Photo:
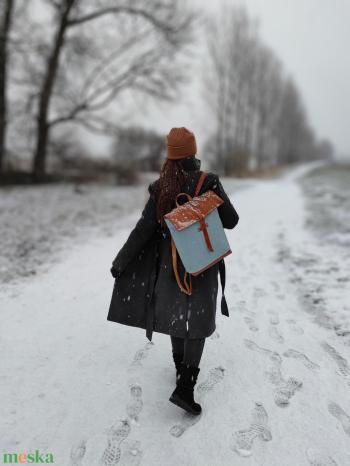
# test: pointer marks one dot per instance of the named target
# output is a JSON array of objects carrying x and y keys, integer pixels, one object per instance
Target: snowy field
[
  {"x": 275, "y": 376},
  {"x": 38, "y": 224}
]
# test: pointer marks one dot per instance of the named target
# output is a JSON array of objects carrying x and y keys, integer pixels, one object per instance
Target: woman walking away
[{"x": 147, "y": 291}]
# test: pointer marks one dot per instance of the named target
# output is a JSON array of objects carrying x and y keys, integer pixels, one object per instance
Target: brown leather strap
[
  {"x": 187, "y": 288},
  {"x": 203, "y": 227},
  {"x": 200, "y": 183}
]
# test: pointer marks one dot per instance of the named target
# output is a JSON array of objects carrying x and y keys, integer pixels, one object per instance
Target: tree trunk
[
  {"x": 5, "y": 27},
  {"x": 43, "y": 125}
]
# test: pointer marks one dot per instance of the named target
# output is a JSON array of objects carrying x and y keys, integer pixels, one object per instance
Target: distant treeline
[
  {"x": 66, "y": 64},
  {"x": 260, "y": 117}
]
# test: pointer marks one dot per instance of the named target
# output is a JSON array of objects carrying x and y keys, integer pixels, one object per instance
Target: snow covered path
[{"x": 274, "y": 385}]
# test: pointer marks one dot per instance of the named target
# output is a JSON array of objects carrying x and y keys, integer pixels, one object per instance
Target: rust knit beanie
[{"x": 181, "y": 143}]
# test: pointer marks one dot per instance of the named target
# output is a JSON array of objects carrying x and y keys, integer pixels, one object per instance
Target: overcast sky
[{"x": 312, "y": 38}]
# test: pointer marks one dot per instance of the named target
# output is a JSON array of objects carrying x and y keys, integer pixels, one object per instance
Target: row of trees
[
  {"x": 260, "y": 117},
  {"x": 71, "y": 59},
  {"x": 68, "y": 63}
]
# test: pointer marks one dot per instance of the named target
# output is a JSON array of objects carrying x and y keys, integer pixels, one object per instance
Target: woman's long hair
[{"x": 171, "y": 180}]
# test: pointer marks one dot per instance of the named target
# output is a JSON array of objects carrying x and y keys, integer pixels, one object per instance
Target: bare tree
[
  {"x": 6, "y": 11},
  {"x": 147, "y": 72},
  {"x": 228, "y": 82}
]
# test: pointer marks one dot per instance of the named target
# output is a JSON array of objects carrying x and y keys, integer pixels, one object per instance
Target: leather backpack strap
[
  {"x": 187, "y": 288},
  {"x": 200, "y": 182}
]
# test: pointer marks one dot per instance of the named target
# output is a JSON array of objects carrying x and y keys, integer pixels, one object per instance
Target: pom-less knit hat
[{"x": 181, "y": 143}]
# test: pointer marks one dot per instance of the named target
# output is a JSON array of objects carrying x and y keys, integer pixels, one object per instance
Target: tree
[
  {"x": 147, "y": 72},
  {"x": 229, "y": 83},
  {"x": 6, "y": 12}
]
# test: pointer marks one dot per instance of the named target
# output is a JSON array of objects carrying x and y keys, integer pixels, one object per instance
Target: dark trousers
[{"x": 191, "y": 349}]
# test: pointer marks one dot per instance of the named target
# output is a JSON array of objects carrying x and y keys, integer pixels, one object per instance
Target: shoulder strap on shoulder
[{"x": 200, "y": 183}]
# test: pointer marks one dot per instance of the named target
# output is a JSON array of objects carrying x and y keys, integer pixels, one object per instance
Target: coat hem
[{"x": 164, "y": 332}]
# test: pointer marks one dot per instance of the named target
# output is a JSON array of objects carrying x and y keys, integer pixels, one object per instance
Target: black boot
[
  {"x": 182, "y": 396},
  {"x": 178, "y": 361}
]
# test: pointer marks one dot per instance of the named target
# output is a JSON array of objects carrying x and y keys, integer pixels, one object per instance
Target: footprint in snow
[
  {"x": 274, "y": 318},
  {"x": 251, "y": 324},
  {"x": 119, "y": 431},
  {"x": 316, "y": 458},
  {"x": 291, "y": 353},
  {"x": 134, "y": 407},
  {"x": 242, "y": 440},
  {"x": 214, "y": 377},
  {"x": 284, "y": 388},
  {"x": 259, "y": 293},
  {"x": 188, "y": 420},
  {"x": 116, "y": 434},
  {"x": 241, "y": 306},
  {"x": 255, "y": 347},
  {"x": 285, "y": 391},
  {"x": 275, "y": 334},
  {"x": 77, "y": 453},
  {"x": 341, "y": 362},
  {"x": 344, "y": 419},
  {"x": 111, "y": 455},
  {"x": 141, "y": 354}
]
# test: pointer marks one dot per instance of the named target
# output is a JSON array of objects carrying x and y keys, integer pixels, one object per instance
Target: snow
[
  {"x": 39, "y": 223},
  {"x": 274, "y": 382}
]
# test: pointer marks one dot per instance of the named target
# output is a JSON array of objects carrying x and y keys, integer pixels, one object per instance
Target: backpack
[{"x": 198, "y": 236}]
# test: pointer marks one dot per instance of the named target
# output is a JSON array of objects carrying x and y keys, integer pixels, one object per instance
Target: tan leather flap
[{"x": 193, "y": 211}]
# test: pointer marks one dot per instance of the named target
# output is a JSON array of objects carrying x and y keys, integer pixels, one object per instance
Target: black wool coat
[{"x": 146, "y": 293}]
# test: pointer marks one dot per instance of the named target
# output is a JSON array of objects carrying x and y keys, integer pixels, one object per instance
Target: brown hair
[{"x": 171, "y": 180}]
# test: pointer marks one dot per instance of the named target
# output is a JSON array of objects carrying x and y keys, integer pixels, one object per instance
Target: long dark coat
[{"x": 146, "y": 293}]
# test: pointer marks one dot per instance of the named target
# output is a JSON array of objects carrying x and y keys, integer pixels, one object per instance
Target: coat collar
[{"x": 191, "y": 163}]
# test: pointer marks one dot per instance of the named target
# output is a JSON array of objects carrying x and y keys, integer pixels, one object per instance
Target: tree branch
[
  {"x": 166, "y": 27},
  {"x": 70, "y": 116}
]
